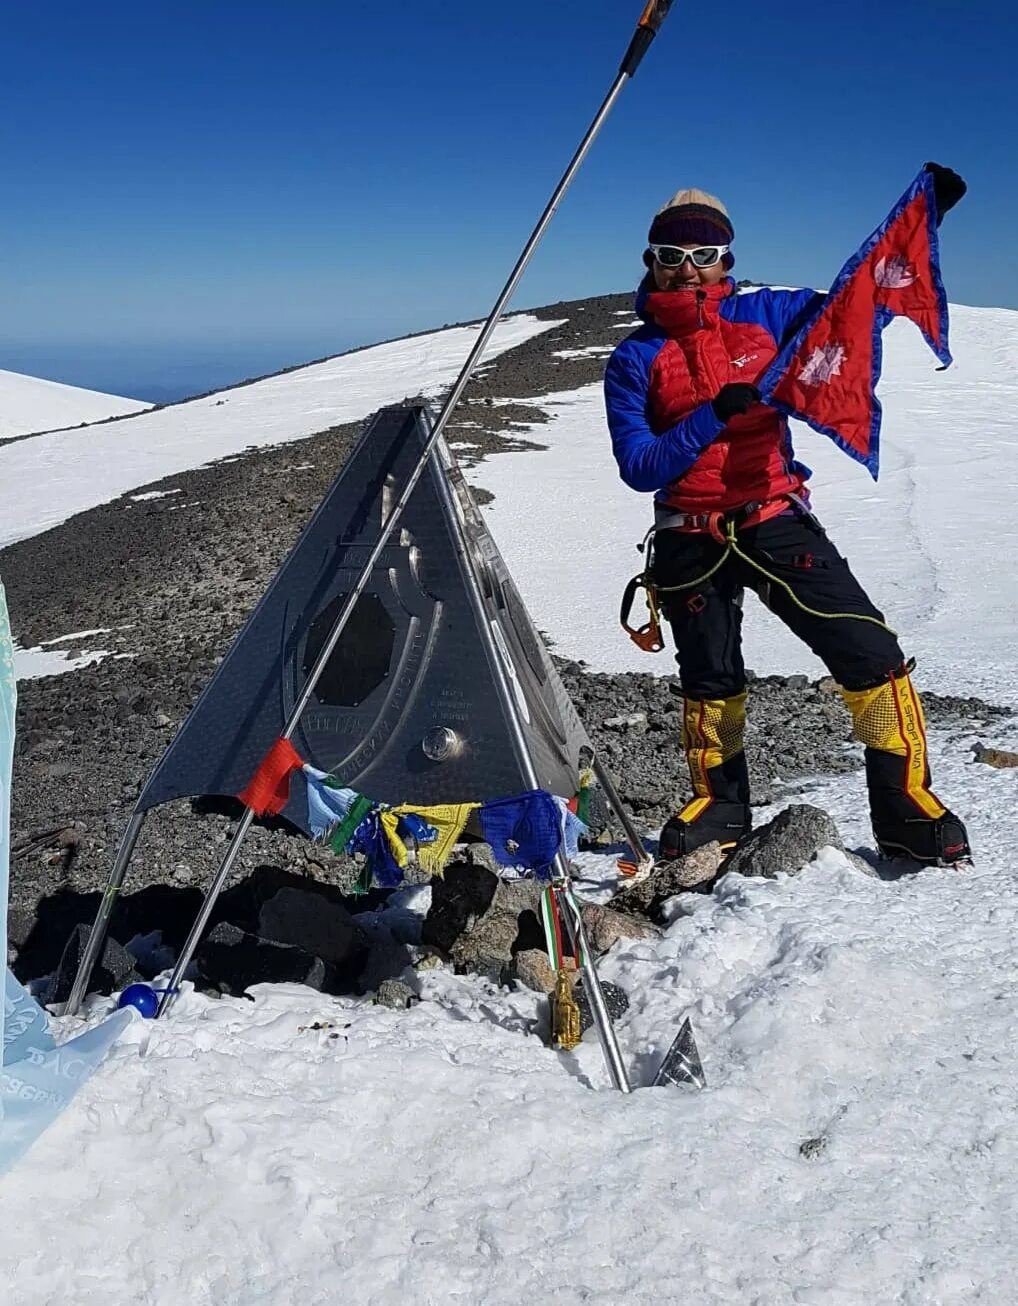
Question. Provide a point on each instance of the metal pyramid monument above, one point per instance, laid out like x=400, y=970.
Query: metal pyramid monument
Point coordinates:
x=389, y=688
x=411, y=706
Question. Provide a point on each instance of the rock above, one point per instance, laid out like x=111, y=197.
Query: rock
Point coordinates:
x=395, y=994
x=20, y=923
x=787, y=844
x=480, y=854
x=458, y=898
x=599, y=820
x=430, y=961
x=646, y=798
x=797, y=682
x=616, y=1000
x=113, y=971
x=939, y=706
x=309, y=920
x=996, y=757
x=69, y=838
x=480, y=921
x=861, y=864
x=387, y=957
x=625, y=722
x=605, y=927
x=695, y=872
x=231, y=960
x=533, y=969
x=242, y=903
x=512, y=922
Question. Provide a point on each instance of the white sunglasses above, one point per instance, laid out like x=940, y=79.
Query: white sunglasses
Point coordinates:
x=671, y=256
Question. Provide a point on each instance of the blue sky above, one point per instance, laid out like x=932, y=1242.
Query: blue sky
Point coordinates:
x=196, y=192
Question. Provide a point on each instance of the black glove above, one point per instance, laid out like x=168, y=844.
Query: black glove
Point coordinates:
x=948, y=188
x=734, y=399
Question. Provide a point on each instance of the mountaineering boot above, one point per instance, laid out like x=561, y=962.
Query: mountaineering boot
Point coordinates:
x=908, y=818
x=712, y=739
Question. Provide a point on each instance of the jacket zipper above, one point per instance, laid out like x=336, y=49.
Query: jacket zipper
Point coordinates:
x=701, y=295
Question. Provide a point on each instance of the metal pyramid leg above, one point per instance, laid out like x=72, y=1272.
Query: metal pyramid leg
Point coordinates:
x=681, y=1064
x=575, y=929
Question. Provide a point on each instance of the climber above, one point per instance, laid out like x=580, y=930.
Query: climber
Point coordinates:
x=687, y=423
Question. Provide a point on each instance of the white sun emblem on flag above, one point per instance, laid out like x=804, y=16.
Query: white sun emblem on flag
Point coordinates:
x=824, y=362
x=894, y=273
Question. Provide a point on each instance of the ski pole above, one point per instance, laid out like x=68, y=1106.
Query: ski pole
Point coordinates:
x=647, y=28
x=100, y=925
x=561, y=875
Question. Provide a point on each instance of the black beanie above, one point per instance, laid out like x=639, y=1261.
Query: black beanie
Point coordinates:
x=692, y=217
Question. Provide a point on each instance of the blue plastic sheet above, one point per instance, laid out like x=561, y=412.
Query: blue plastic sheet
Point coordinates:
x=37, y=1078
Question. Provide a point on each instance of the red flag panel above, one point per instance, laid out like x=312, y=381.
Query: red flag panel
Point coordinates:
x=827, y=375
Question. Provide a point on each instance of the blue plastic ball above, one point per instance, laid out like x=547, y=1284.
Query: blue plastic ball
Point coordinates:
x=142, y=998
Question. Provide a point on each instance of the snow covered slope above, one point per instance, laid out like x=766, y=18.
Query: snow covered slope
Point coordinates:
x=30, y=404
x=51, y=477
x=855, y=1145
x=934, y=540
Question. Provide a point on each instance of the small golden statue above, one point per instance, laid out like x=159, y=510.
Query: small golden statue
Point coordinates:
x=565, y=1014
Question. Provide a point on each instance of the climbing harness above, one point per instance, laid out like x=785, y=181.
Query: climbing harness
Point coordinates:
x=648, y=637
x=722, y=528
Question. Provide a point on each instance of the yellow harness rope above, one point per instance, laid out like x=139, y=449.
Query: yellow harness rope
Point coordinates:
x=732, y=546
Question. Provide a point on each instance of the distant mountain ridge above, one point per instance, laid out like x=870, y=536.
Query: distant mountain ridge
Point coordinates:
x=29, y=404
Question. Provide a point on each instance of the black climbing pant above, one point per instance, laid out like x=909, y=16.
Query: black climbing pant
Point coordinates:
x=706, y=620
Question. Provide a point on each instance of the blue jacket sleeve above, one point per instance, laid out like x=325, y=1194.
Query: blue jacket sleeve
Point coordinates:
x=782, y=312
x=648, y=461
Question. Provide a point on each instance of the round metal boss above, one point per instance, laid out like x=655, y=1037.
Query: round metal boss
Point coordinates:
x=441, y=743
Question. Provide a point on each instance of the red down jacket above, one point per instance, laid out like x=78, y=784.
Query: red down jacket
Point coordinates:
x=660, y=382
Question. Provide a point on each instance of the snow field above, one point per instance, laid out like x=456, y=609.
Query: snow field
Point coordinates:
x=48, y=478
x=29, y=404
x=855, y=1143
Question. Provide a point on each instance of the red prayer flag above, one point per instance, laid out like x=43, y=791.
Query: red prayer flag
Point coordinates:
x=268, y=791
